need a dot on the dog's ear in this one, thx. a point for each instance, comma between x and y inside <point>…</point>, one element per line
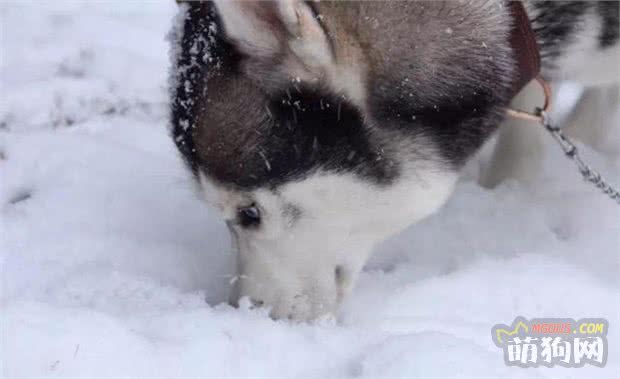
<point>267,28</point>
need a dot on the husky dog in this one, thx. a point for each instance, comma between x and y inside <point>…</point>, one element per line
<point>318,129</point>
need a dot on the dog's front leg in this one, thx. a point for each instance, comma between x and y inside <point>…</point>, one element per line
<point>519,149</point>
<point>595,120</point>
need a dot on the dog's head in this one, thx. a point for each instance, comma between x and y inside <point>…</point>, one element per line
<point>318,130</point>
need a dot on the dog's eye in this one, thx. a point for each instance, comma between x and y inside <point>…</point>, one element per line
<point>249,216</point>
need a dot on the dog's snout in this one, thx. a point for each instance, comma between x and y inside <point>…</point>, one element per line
<point>338,275</point>
<point>235,301</point>
<point>256,303</point>
<point>299,306</point>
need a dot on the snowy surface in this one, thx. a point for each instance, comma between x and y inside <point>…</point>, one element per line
<point>108,255</point>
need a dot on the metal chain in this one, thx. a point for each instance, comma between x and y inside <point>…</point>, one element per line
<point>569,148</point>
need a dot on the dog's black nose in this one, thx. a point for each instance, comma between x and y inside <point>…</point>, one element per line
<point>257,303</point>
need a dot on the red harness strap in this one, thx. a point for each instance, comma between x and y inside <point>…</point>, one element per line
<point>524,45</point>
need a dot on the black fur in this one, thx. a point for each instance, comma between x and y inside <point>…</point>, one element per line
<point>457,116</point>
<point>307,128</point>
<point>557,24</point>
<point>457,123</point>
<point>610,14</point>
<point>304,130</point>
<point>202,52</point>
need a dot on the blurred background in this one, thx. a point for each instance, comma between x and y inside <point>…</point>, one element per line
<point>112,266</point>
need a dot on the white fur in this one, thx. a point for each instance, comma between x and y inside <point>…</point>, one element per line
<point>596,119</point>
<point>290,263</point>
<point>311,57</point>
<point>249,32</point>
<point>244,24</point>
<point>583,61</point>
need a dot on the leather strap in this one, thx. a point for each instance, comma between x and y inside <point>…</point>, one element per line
<point>525,47</point>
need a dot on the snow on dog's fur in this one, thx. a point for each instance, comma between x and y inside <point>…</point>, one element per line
<point>320,129</point>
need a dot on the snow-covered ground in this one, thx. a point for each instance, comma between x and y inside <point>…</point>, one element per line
<point>108,254</point>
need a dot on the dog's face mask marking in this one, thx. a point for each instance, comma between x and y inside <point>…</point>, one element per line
<point>301,246</point>
<point>311,146</point>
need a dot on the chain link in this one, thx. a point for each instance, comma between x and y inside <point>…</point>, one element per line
<point>570,150</point>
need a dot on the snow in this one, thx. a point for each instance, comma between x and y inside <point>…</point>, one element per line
<point>108,254</point>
